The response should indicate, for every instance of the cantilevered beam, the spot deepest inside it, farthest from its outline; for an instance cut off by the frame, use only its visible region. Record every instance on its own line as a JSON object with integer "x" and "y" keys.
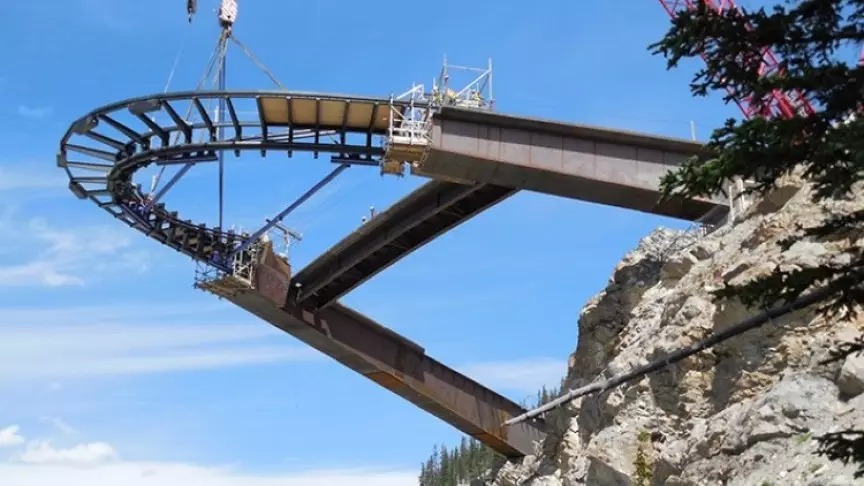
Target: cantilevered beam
{"x": 429, "y": 211}
{"x": 386, "y": 358}
{"x": 599, "y": 165}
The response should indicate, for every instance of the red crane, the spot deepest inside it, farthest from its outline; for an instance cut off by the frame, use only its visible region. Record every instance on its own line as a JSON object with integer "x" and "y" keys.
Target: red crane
{"x": 779, "y": 104}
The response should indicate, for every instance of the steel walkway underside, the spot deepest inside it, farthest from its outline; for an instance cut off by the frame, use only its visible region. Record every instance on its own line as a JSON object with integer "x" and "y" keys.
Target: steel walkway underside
{"x": 429, "y": 211}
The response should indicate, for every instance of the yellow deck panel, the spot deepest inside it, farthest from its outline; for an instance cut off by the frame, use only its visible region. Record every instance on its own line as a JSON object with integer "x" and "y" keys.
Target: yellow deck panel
{"x": 382, "y": 119}
{"x": 360, "y": 114}
{"x": 332, "y": 113}
{"x": 304, "y": 112}
{"x": 275, "y": 110}
{"x": 280, "y": 111}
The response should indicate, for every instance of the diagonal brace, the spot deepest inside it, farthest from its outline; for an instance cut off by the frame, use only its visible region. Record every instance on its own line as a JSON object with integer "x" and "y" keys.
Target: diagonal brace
{"x": 161, "y": 193}
{"x": 279, "y": 217}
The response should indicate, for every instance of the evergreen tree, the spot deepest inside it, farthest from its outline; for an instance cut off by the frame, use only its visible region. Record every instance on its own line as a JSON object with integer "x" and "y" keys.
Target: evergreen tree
{"x": 827, "y": 145}
{"x": 467, "y": 461}
{"x": 445, "y": 467}
{"x": 464, "y": 458}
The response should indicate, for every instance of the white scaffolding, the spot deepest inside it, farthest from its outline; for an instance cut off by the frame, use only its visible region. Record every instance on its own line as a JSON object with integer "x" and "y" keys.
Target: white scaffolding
{"x": 409, "y": 136}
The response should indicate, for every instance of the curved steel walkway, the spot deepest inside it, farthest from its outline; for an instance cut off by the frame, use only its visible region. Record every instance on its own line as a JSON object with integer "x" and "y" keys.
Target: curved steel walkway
{"x": 103, "y": 169}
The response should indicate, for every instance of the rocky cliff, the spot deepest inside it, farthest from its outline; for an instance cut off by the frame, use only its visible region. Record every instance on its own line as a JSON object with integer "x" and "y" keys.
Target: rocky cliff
{"x": 743, "y": 413}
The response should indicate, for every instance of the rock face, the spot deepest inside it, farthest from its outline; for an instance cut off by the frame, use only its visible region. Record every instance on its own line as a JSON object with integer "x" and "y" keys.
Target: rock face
{"x": 743, "y": 413}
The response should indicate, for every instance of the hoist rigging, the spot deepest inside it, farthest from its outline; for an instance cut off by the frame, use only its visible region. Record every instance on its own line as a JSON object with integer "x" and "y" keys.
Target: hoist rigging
{"x": 227, "y": 15}
{"x": 216, "y": 74}
{"x": 191, "y": 8}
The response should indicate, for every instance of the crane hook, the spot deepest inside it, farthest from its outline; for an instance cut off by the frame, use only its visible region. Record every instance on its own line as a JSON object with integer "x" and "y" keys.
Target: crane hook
{"x": 191, "y": 8}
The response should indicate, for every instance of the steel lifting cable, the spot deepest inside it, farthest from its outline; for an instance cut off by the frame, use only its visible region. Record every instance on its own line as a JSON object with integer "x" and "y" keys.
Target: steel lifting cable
{"x": 221, "y": 80}
{"x": 211, "y": 63}
{"x": 853, "y": 279}
{"x": 176, "y": 60}
{"x": 257, "y": 62}
{"x": 264, "y": 68}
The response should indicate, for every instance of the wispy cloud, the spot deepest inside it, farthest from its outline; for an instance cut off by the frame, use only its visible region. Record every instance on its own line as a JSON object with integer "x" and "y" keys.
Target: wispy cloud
{"x": 44, "y": 452}
{"x": 46, "y": 254}
{"x": 181, "y": 474}
{"x": 9, "y": 436}
{"x": 51, "y": 256}
{"x": 526, "y": 375}
{"x": 41, "y": 463}
{"x": 60, "y": 425}
{"x": 37, "y": 113}
{"x": 15, "y": 177}
{"x": 32, "y": 349}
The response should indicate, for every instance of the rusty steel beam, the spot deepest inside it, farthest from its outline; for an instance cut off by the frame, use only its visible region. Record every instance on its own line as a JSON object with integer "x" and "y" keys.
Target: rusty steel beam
{"x": 597, "y": 165}
{"x": 385, "y": 357}
{"x": 432, "y": 209}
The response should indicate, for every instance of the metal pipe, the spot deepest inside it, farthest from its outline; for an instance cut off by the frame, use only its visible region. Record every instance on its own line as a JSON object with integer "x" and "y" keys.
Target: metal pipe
{"x": 222, "y": 108}
{"x": 279, "y": 217}
{"x": 851, "y": 280}
{"x": 187, "y": 160}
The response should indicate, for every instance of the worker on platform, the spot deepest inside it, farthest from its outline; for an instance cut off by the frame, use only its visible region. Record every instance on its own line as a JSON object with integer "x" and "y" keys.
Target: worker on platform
{"x": 451, "y": 96}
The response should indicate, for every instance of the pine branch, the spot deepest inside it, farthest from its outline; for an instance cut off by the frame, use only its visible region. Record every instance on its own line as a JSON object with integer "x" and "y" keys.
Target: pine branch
{"x": 845, "y": 446}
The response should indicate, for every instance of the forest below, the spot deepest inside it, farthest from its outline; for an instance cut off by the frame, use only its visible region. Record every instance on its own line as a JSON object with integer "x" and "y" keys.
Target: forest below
{"x": 460, "y": 464}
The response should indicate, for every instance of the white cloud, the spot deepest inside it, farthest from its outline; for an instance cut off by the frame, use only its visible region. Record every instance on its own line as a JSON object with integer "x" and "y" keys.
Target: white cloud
{"x": 67, "y": 256}
{"x": 10, "y": 436}
{"x": 40, "y": 463}
{"x": 33, "y": 347}
{"x": 118, "y": 313}
{"x": 43, "y": 452}
{"x": 527, "y": 375}
{"x": 35, "y": 112}
{"x": 179, "y": 474}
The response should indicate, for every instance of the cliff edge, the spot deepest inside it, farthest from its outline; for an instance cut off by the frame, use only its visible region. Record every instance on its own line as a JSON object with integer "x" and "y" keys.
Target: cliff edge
{"x": 742, "y": 413}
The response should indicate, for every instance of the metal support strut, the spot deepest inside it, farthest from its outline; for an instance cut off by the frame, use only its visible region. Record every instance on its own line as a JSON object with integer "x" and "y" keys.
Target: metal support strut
{"x": 279, "y": 217}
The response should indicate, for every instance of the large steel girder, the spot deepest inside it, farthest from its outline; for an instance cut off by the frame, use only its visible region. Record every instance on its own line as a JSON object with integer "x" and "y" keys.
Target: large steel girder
{"x": 389, "y": 359}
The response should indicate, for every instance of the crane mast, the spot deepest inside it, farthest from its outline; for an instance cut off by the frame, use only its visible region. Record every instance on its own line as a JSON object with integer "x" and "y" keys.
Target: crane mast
{"x": 779, "y": 104}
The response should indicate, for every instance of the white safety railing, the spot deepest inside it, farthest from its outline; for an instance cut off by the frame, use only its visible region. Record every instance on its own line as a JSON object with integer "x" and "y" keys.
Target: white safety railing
{"x": 410, "y": 132}
{"x": 244, "y": 264}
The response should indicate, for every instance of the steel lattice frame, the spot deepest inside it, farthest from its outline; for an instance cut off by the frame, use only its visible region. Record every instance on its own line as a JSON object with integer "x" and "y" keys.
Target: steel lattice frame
{"x": 779, "y": 104}
{"x": 107, "y": 162}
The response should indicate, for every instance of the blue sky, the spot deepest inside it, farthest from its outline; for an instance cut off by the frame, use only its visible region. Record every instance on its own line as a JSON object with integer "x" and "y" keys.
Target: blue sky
{"x": 109, "y": 358}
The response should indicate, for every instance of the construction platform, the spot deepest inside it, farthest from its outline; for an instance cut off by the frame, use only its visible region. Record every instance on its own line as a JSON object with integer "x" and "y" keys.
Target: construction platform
{"x": 475, "y": 158}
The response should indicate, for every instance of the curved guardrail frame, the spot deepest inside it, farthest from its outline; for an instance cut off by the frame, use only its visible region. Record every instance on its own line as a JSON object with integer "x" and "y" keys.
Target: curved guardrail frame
{"x": 104, "y": 175}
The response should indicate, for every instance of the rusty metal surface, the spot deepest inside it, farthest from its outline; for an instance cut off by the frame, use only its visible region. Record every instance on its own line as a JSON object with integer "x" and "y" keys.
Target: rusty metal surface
{"x": 596, "y": 165}
{"x": 571, "y": 130}
{"x": 429, "y": 211}
{"x": 272, "y": 275}
{"x": 399, "y": 365}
